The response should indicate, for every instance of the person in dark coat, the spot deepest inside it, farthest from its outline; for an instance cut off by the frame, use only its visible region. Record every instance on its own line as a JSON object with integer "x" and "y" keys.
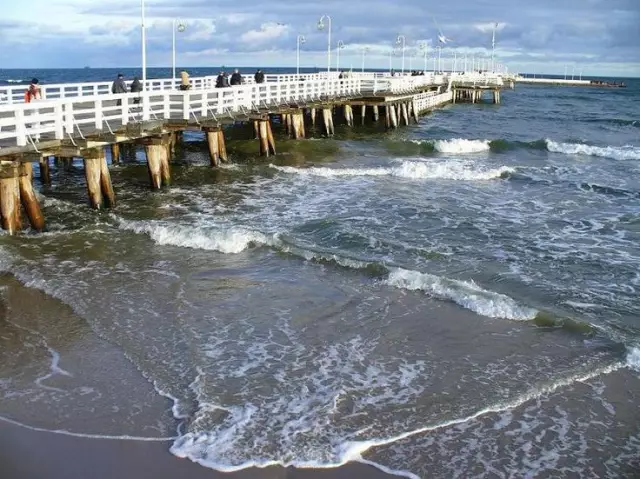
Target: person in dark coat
{"x": 119, "y": 86}
{"x": 236, "y": 78}
{"x": 222, "y": 81}
{"x": 259, "y": 76}
{"x": 136, "y": 87}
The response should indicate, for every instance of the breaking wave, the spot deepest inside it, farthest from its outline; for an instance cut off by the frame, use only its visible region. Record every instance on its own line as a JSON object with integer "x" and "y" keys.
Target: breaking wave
{"x": 464, "y": 293}
{"x": 615, "y": 152}
{"x": 407, "y": 169}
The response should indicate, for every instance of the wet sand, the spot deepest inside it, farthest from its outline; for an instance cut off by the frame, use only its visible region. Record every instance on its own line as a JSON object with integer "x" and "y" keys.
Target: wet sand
{"x": 29, "y": 454}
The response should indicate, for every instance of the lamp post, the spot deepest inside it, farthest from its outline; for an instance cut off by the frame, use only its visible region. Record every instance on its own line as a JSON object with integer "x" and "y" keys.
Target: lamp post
{"x": 364, "y": 52}
{"x": 178, "y": 25}
{"x": 401, "y": 40}
{"x": 493, "y": 47}
{"x": 424, "y": 47}
{"x": 391, "y": 59}
{"x": 439, "y": 59}
{"x": 339, "y": 46}
{"x": 144, "y": 47}
{"x": 299, "y": 41}
{"x": 320, "y": 27}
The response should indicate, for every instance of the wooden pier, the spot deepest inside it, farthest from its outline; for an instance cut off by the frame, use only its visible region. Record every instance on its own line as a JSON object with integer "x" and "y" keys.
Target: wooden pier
{"x": 65, "y": 125}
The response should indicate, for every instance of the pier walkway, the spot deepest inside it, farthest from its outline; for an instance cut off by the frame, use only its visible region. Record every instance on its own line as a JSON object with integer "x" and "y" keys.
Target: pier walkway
{"x": 81, "y": 120}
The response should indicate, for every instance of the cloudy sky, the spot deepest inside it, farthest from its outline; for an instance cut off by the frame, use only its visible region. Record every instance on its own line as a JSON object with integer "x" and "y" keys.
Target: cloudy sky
{"x": 543, "y": 36}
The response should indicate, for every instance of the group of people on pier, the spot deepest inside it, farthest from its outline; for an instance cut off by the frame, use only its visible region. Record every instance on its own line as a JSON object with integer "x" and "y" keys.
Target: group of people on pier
{"x": 223, "y": 80}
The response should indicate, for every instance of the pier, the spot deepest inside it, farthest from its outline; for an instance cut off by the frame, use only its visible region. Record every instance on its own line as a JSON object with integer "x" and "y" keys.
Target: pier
{"x": 84, "y": 120}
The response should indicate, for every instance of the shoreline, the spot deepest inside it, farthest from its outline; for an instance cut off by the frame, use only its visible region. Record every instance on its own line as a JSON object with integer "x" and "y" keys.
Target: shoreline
{"x": 27, "y": 453}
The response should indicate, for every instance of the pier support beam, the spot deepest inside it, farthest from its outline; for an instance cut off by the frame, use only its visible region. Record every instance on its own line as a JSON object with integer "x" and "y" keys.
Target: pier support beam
{"x": 29, "y": 199}
{"x": 10, "y": 201}
{"x": 327, "y": 117}
{"x": 496, "y": 97}
{"x": 348, "y": 114}
{"x": 213, "y": 141}
{"x": 394, "y": 118}
{"x": 363, "y": 113}
{"x": 376, "y": 113}
{"x": 404, "y": 113}
{"x": 155, "y": 153}
{"x": 416, "y": 113}
{"x": 312, "y": 113}
{"x": 265, "y": 137}
{"x": 387, "y": 116}
{"x": 270, "y": 139}
{"x": 115, "y": 154}
{"x": 98, "y": 179}
{"x": 45, "y": 171}
{"x": 297, "y": 122}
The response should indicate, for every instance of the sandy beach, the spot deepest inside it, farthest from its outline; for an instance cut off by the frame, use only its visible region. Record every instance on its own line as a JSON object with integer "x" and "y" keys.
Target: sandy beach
{"x": 29, "y": 454}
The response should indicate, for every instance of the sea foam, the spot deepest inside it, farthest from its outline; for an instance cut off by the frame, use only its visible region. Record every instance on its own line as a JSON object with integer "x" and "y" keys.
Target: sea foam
{"x": 614, "y": 152}
{"x": 461, "y": 145}
{"x": 465, "y": 293}
{"x": 408, "y": 169}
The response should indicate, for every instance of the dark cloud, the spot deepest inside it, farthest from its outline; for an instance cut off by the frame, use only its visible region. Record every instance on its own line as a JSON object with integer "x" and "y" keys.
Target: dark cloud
{"x": 551, "y": 31}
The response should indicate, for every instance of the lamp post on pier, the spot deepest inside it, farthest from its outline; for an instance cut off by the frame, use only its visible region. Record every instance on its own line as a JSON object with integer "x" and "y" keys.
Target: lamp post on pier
{"x": 300, "y": 40}
{"x": 320, "y": 27}
{"x": 364, "y": 53}
{"x": 424, "y": 47}
{"x": 339, "y": 46}
{"x": 439, "y": 59}
{"x": 401, "y": 40}
{"x": 178, "y": 25}
{"x": 145, "y": 100}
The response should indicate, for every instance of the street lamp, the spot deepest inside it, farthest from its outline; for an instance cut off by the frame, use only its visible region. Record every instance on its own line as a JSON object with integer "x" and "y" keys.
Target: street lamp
{"x": 424, "y": 46}
{"x": 299, "y": 41}
{"x": 339, "y": 46}
{"x": 401, "y": 40}
{"x": 439, "y": 59}
{"x": 320, "y": 27}
{"x": 364, "y": 52}
{"x": 144, "y": 47}
{"x": 178, "y": 25}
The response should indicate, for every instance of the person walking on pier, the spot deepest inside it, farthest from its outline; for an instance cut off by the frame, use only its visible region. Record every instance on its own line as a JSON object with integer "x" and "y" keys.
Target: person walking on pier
{"x": 119, "y": 86}
{"x": 259, "y": 76}
{"x": 236, "y": 78}
{"x": 136, "y": 87}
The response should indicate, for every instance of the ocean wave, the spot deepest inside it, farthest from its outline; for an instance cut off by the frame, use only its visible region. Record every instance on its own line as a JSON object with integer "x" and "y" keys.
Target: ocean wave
{"x": 457, "y": 145}
{"x": 615, "y": 121}
{"x": 231, "y": 240}
{"x": 633, "y": 359}
{"x": 615, "y": 152}
{"x": 465, "y": 293}
{"x": 608, "y": 190}
{"x": 407, "y": 169}
{"x": 11, "y": 80}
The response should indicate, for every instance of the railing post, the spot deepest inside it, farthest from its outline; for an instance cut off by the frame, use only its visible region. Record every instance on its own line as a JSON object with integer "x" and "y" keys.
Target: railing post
{"x": 68, "y": 118}
{"x": 185, "y": 105}
{"x": 145, "y": 106}
{"x": 124, "y": 111}
{"x": 203, "y": 110}
{"x": 21, "y": 128}
{"x": 166, "y": 105}
{"x": 59, "y": 121}
{"x": 98, "y": 109}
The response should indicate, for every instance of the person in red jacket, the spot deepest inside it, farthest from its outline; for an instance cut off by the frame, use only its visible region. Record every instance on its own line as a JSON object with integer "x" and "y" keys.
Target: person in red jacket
{"x": 33, "y": 92}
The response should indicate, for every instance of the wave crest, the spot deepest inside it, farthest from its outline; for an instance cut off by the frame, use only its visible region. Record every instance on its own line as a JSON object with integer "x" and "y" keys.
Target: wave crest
{"x": 617, "y": 153}
{"x": 465, "y": 293}
{"x": 407, "y": 169}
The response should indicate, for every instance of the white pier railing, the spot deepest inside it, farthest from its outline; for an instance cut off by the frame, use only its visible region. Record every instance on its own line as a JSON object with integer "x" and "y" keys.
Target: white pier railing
{"x": 22, "y": 124}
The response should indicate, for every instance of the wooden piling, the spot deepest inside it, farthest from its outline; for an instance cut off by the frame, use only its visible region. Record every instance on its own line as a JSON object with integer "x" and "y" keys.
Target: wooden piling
{"x": 404, "y": 113}
{"x": 327, "y": 118}
{"x": 263, "y": 137}
{"x": 313, "y": 116}
{"x": 416, "y": 113}
{"x": 115, "y": 154}
{"x": 222, "y": 147}
{"x": 165, "y": 169}
{"x": 10, "y": 201}
{"x": 270, "y": 139}
{"x": 154, "y": 152}
{"x": 363, "y": 113}
{"x": 106, "y": 187}
{"x": 376, "y": 113}
{"x": 213, "y": 141}
{"x": 92, "y": 173}
{"x": 394, "y": 117}
{"x": 348, "y": 114}
{"x": 45, "y": 172}
{"x": 387, "y": 116}
{"x": 28, "y": 197}
{"x": 256, "y": 128}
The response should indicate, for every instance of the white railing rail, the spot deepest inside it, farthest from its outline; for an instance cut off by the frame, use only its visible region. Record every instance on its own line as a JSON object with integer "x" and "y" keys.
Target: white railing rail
{"x": 25, "y": 123}
{"x": 428, "y": 100}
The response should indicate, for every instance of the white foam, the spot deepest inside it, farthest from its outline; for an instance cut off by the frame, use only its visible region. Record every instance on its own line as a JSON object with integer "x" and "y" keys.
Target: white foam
{"x": 231, "y": 240}
{"x": 465, "y": 293}
{"x": 407, "y": 169}
{"x": 460, "y": 145}
{"x": 617, "y": 153}
{"x": 633, "y": 358}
